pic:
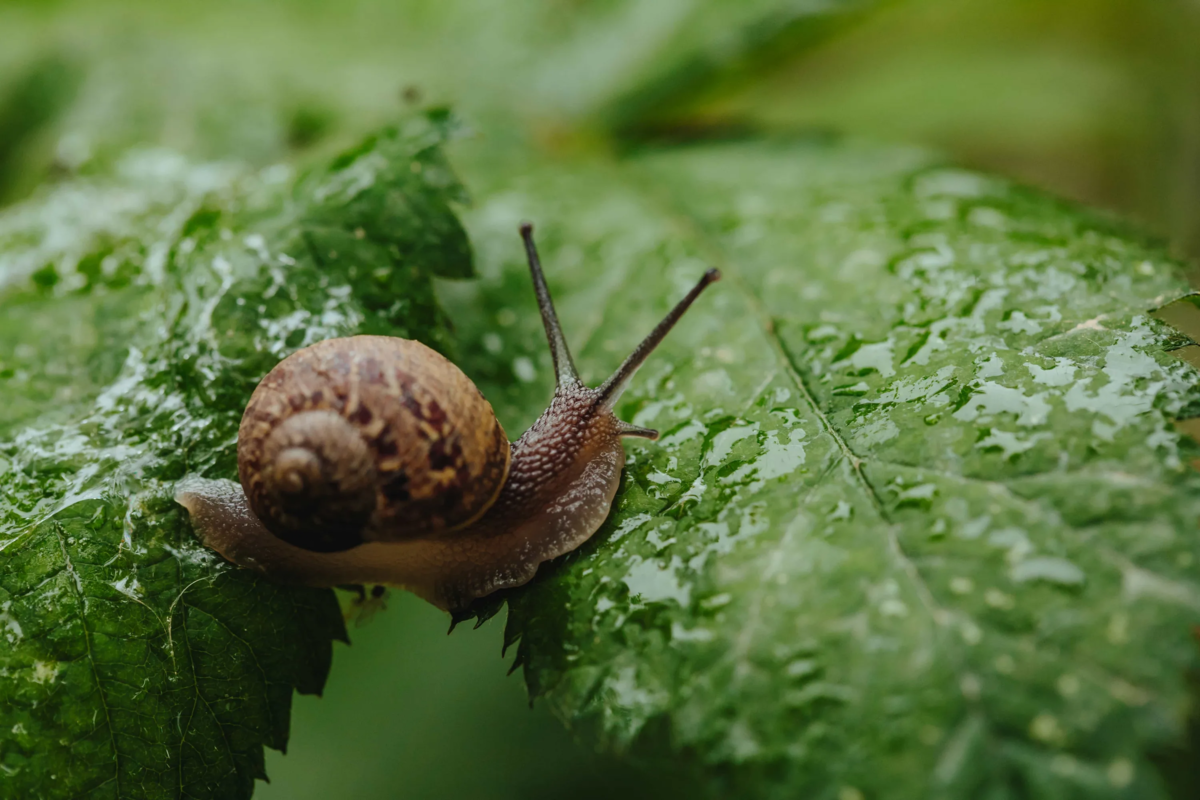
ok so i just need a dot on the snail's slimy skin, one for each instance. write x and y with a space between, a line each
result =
374 460
563 475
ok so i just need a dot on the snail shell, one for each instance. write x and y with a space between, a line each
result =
369 438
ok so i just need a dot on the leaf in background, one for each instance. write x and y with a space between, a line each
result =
27 106
138 664
919 524
205 80
1092 100
716 49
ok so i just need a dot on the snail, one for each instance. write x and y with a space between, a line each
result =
375 460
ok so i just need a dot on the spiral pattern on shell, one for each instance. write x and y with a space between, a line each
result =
369 438
319 481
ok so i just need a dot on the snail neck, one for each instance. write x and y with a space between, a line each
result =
552 459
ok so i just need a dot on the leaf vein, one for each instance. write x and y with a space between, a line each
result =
77 585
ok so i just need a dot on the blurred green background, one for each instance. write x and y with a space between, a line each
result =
411 712
1095 100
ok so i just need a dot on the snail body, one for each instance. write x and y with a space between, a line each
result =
375 460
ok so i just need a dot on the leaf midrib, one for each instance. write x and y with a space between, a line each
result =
717 255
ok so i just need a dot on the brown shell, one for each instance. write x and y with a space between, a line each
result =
441 456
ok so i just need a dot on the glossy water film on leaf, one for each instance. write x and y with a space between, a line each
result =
919 523
137 663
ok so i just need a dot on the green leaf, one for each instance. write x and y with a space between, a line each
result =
919 524
205 79
28 105
137 663
714 49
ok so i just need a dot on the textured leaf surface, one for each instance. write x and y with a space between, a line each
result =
919 523
135 663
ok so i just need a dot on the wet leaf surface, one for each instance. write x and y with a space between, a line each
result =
136 663
919 523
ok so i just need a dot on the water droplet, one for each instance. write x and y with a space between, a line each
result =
659 478
842 510
987 218
952 182
919 496
874 357
1014 540
1062 374
852 390
651 582
1050 569
990 367
630 524
682 634
998 599
990 399
822 333
44 672
722 443
523 368
802 668
1017 322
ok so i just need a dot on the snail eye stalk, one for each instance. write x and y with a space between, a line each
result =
565 373
610 391
564 367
